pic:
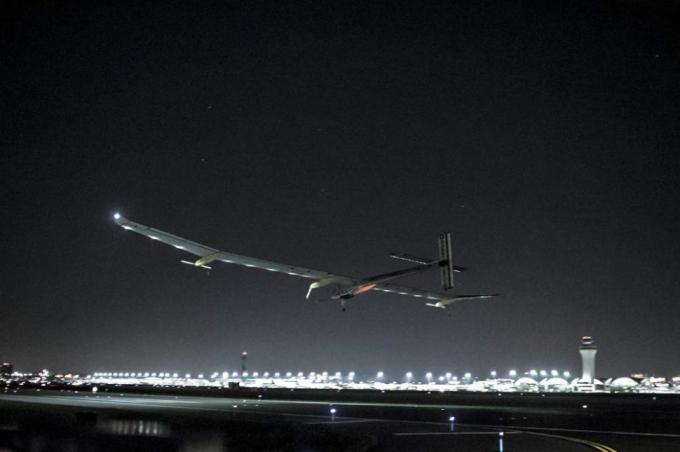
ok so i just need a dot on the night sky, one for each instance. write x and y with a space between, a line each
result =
544 136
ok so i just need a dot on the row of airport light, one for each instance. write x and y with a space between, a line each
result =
300 378
325 376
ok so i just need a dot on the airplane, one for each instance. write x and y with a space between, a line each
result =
342 288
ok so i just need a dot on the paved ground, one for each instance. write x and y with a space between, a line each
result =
107 421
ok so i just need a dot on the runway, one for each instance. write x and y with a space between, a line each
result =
183 422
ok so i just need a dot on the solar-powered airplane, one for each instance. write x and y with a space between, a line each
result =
337 287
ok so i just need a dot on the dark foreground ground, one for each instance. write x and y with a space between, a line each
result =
273 420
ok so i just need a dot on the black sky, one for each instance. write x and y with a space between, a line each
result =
544 135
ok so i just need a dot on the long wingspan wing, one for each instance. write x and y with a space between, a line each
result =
213 254
441 300
208 254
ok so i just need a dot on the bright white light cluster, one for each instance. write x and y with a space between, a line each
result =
529 381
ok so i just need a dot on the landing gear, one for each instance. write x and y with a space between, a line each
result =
342 304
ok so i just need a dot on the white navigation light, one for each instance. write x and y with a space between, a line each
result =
116 216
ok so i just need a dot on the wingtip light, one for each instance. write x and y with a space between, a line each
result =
116 216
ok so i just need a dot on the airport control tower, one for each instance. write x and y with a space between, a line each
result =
244 357
6 369
588 350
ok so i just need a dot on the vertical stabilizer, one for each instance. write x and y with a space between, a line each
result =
446 267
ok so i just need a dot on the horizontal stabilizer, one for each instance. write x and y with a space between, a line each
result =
414 259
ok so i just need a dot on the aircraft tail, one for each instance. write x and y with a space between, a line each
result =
446 267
